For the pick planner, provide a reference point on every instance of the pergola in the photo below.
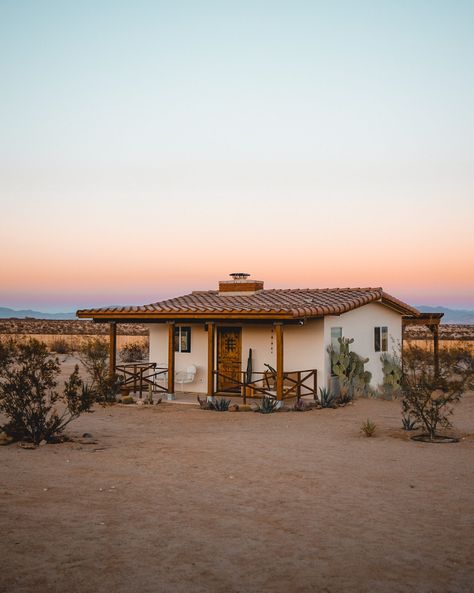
(431, 321)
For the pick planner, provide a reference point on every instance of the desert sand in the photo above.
(172, 498)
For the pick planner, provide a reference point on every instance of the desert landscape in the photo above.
(174, 498)
(169, 497)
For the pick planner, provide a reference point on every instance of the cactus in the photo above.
(348, 367)
(392, 374)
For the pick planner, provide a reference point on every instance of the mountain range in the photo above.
(457, 316)
(6, 313)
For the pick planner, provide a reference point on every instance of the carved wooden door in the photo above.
(229, 358)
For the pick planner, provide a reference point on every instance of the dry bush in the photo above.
(134, 352)
(94, 355)
(429, 397)
(28, 396)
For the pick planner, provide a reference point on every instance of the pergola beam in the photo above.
(112, 348)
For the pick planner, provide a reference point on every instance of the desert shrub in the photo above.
(133, 352)
(60, 346)
(348, 369)
(368, 428)
(268, 405)
(94, 355)
(429, 397)
(28, 395)
(327, 398)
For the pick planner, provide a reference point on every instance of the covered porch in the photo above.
(228, 370)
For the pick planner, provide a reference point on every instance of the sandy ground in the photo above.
(176, 499)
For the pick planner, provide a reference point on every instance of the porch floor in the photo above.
(190, 398)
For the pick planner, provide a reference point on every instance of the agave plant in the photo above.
(368, 428)
(300, 406)
(327, 398)
(219, 405)
(408, 423)
(268, 405)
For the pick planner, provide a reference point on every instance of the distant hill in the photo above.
(457, 316)
(7, 313)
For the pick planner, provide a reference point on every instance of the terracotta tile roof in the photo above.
(272, 303)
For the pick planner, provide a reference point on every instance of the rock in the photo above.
(245, 408)
(24, 445)
(5, 439)
(234, 408)
(87, 435)
(140, 402)
(43, 443)
(127, 399)
(437, 394)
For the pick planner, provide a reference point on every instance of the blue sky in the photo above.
(353, 121)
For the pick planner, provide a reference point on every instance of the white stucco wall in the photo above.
(359, 324)
(305, 346)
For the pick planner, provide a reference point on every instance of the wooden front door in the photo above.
(229, 358)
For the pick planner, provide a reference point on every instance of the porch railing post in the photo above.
(210, 358)
(171, 327)
(315, 385)
(279, 360)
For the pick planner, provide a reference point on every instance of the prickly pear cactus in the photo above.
(348, 367)
(392, 374)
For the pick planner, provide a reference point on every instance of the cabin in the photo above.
(245, 340)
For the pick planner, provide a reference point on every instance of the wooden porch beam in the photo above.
(171, 327)
(112, 348)
(210, 358)
(279, 359)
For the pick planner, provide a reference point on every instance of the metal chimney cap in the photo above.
(239, 275)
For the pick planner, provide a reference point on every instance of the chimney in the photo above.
(239, 285)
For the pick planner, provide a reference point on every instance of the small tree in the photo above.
(28, 396)
(94, 355)
(429, 397)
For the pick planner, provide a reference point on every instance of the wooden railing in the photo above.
(295, 384)
(141, 376)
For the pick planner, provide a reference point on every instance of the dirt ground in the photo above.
(176, 499)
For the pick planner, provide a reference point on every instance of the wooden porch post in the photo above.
(279, 360)
(210, 358)
(171, 327)
(112, 348)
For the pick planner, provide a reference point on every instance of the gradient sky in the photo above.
(150, 148)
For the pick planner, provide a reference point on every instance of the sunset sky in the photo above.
(149, 148)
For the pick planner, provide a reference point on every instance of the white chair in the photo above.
(187, 376)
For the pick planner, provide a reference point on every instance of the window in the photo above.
(336, 333)
(380, 339)
(182, 339)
